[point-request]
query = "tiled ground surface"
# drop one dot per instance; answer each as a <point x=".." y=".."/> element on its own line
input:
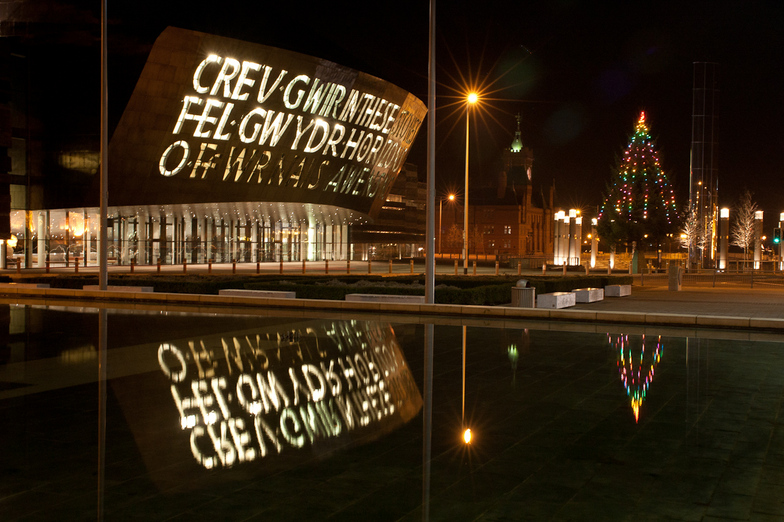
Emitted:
<point x="763" y="302"/>
<point x="555" y="435"/>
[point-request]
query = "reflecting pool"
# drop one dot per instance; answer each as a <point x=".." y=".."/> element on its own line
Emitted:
<point x="238" y="417"/>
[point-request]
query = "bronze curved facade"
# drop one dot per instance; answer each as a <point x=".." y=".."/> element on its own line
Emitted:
<point x="230" y="150"/>
<point x="216" y="120"/>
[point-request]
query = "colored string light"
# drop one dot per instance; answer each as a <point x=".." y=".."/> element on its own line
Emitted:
<point x="640" y="188"/>
<point x="631" y="367"/>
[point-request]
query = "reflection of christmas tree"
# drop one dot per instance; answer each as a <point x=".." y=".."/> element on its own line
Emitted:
<point x="636" y="366"/>
<point x="640" y="201"/>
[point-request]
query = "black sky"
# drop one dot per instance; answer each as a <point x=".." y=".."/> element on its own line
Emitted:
<point x="578" y="73"/>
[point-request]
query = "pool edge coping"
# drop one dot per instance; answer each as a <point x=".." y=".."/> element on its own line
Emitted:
<point x="437" y="309"/>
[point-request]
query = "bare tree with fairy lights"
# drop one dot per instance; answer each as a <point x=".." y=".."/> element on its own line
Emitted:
<point x="743" y="228"/>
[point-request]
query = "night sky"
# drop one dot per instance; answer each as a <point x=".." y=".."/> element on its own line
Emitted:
<point x="578" y="73"/>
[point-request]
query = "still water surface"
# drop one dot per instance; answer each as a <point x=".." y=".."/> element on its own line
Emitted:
<point x="205" y="416"/>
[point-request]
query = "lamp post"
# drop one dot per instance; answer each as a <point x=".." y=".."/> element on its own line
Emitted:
<point x="757" y="244"/>
<point x="451" y="197"/>
<point x="724" y="227"/>
<point x="470" y="100"/>
<point x="594" y="241"/>
<point x="781" y="258"/>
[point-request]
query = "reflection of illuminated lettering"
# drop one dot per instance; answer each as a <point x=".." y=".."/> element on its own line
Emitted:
<point x="269" y="392"/>
<point x="291" y="428"/>
<point x="198" y="450"/>
<point x="241" y="438"/>
<point x="636" y="367"/>
<point x="204" y="359"/>
<point x="175" y="376"/>
<point x="265" y="433"/>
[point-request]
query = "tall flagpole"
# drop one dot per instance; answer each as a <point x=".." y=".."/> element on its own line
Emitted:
<point x="104" y="235"/>
<point x="430" y="245"/>
<point x="427" y="409"/>
<point x="102" y="275"/>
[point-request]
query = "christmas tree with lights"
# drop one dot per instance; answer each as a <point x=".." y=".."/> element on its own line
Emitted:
<point x="640" y="202"/>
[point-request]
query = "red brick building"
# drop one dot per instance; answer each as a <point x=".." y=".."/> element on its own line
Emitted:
<point x="509" y="215"/>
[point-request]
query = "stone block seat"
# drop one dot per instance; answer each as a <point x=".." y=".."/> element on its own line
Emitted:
<point x="24" y="285"/>
<point x="617" y="290"/>
<point x="120" y="288"/>
<point x="555" y="300"/>
<point x="269" y="294"/>
<point x="386" y="298"/>
<point x="588" y="295"/>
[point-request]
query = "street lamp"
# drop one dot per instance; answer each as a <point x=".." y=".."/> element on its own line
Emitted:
<point x="451" y="197"/>
<point x="781" y="258"/>
<point x="470" y="100"/>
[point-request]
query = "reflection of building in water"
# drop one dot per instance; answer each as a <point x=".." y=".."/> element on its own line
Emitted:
<point x="5" y="337"/>
<point x="636" y="365"/>
<point x="269" y="393"/>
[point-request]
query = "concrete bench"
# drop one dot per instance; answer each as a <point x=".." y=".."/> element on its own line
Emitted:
<point x="555" y="300"/>
<point x="269" y="294"/>
<point x="119" y="288"/>
<point x="617" y="290"/>
<point x="24" y="285"/>
<point x="588" y="295"/>
<point x="386" y="298"/>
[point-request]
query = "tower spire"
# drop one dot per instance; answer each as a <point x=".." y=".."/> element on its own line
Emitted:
<point x="517" y="143"/>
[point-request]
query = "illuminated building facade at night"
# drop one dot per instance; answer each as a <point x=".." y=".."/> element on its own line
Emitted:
<point x="508" y="216"/>
<point x="228" y="150"/>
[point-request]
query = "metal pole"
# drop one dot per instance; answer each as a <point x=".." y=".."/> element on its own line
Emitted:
<point x="465" y="209"/>
<point x="430" y="258"/>
<point x="781" y="261"/>
<point x="440" y="227"/>
<point x="427" y="413"/>
<point x="104" y="235"/>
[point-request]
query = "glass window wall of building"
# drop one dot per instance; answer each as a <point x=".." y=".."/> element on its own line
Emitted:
<point x="71" y="236"/>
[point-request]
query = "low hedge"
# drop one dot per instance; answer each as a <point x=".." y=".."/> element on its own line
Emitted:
<point x="473" y="290"/>
<point x="444" y="294"/>
<point x="546" y="285"/>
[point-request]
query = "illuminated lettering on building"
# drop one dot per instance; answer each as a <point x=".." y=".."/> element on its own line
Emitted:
<point x="216" y="120"/>
<point x="247" y="122"/>
<point x="255" y="396"/>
